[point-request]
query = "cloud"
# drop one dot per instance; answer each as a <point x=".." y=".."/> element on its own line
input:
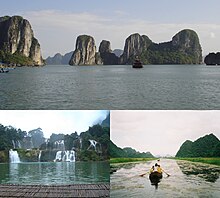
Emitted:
<point x="57" y="30"/>
<point x="212" y="34"/>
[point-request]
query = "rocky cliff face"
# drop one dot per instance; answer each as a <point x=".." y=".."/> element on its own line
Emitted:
<point x="16" y="36"/>
<point x="85" y="52"/>
<point x="212" y="59"/>
<point x="184" y="48"/>
<point x="187" y="42"/>
<point x="135" y="45"/>
<point x="108" y="57"/>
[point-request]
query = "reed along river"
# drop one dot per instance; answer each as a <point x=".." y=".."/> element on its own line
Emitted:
<point x="187" y="179"/>
<point x="173" y="87"/>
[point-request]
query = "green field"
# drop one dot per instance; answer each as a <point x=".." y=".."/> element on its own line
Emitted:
<point x="213" y="160"/>
<point x="126" y="160"/>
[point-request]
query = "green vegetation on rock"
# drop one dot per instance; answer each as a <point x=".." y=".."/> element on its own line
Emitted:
<point x="116" y="152"/>
<point x="207" y="146"/>
<point x="184" y="48"/>
<point x="17" y="59"/>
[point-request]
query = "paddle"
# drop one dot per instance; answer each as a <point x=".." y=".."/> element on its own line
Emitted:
<point x="166" y="173"/>
<point x="143" y="174"/>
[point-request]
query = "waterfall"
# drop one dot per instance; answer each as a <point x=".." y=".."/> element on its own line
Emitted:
<point x="65" y="156"/>
<point x="39" y="156"/>
<point x="13" y="142"/>
<point x="14" y="157"/>
<point x="58" y="156"/>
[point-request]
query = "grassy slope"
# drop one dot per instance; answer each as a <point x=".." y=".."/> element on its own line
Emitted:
<point x="213" y="160"/>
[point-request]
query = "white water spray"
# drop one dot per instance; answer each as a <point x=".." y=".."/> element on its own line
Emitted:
<point x="14" y="157"/>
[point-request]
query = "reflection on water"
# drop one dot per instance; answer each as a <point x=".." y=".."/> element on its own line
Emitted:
<point x="205" y="171"/>
<point x="128" y="183"/>
<point x="55" y="173"/>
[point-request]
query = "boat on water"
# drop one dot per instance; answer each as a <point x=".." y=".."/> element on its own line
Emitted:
<point x="155" y="177"/>
<point x="137" y="63"/>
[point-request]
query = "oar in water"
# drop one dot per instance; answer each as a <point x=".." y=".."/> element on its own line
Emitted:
<point x="143" y="174"/>
<point x="166" y="173"/>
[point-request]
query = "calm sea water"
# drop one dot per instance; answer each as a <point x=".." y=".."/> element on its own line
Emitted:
<point x="54" y="173"/>
<point x="111" y="87"/>
<point x="186" y="179"/>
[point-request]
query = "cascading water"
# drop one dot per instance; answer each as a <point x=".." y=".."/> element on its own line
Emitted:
<point x="14" y="157"/>
<point x="39" y="156"/>
<point x="58" y="156"/>
<point x="65" y="156"/>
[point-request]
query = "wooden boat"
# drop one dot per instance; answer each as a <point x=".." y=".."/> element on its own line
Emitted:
<point x="137" y="63"/>
<point x="155" y="177"/>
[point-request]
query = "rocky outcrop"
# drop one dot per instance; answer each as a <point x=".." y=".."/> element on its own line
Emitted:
<point x="85" y="52"/>
<point x="108" y="57"/>
<point x="187" y="42"/>
<point x="59" y="59"/>
<point x="212" y="59"/>
<point x="206" y="146"/>
<point x="135" y="45"/>
<point x="16" y="36"/>
<point x="184" y="48"/>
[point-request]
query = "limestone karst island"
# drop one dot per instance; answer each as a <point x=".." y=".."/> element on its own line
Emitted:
<point x="18" y="46"/>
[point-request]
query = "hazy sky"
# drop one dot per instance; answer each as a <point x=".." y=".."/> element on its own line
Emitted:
<point x="57" y="23"/>
<point x="161" y="132"/>
<point x="52" y="121"/>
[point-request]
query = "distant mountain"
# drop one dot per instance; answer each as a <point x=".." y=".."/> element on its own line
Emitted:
<point x="106" y="121"/>
<point x="59" y="59"/>
<point x="118" y="52"/>
<point x="129" y="152"/>
<point x="207" y="146"/>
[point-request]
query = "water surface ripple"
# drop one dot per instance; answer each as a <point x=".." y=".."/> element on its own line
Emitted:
<point x="111" y="87"/>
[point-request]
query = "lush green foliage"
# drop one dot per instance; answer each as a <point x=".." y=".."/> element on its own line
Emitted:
<point x="207" y="146"/>
<point x="16" y="58"/>
<point x="28" y="144"/>
<point x="215" y="161"/>
<point x="9" y="133"/>
<point x="183" y="49"/>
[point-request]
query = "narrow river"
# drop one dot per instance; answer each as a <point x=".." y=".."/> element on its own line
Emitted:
<point x="187" y="179"/>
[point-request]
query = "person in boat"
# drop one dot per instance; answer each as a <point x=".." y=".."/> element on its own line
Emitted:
<point x="159" y="169"/>
<point x="152" y="169"/>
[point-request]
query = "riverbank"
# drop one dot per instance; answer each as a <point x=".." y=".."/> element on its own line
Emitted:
<point x="117" y="163"/>
<point x="213" y="160"/>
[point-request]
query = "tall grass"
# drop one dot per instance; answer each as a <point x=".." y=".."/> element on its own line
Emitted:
<point x="213" y="160"/>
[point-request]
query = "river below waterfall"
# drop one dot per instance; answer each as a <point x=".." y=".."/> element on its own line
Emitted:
<point x="54" y="173"/>
<point x="187" y="179"/>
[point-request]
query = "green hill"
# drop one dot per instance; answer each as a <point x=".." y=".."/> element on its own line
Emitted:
<point x="117" y="152"/>
<point x="207" y="146"/>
